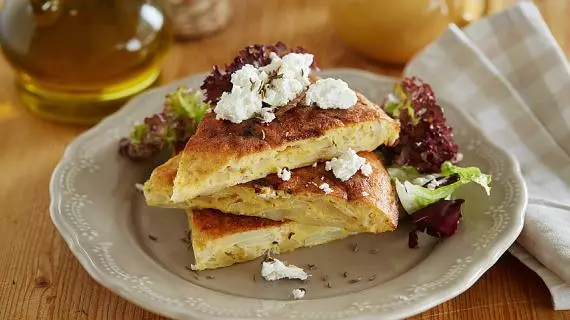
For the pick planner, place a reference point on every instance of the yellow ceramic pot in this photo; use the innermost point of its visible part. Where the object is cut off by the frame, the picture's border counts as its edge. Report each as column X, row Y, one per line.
column 392, row 31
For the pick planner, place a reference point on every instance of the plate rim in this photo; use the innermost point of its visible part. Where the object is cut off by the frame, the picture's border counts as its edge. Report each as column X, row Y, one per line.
column 464, row 281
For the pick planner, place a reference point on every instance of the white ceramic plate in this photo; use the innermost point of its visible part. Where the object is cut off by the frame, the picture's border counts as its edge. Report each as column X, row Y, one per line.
column 106, row 224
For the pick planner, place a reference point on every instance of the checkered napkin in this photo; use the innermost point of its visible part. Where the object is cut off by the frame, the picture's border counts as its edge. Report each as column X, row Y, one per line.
column 508, row 73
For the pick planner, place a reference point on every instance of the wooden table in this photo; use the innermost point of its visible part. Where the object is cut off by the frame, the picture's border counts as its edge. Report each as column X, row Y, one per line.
column 41, row 279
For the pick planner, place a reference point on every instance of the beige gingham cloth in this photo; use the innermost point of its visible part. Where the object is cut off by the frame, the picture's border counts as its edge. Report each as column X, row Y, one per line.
column 510, row 75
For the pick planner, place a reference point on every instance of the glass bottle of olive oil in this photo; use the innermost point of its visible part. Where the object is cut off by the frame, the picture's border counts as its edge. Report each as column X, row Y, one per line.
column 79, row 60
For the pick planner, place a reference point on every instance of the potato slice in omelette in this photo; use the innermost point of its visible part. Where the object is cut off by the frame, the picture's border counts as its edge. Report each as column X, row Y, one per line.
column 360, row 204
column 221, row 239
column 222, row 154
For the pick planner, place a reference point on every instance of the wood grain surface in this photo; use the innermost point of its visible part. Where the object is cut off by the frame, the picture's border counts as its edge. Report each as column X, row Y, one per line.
column 41, row 279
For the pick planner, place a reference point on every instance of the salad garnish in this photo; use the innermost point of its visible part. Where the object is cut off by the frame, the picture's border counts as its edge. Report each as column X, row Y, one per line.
column 417, row 191
column 426, row 141
column 423, row 161
column 439, row 219
column 169, row 129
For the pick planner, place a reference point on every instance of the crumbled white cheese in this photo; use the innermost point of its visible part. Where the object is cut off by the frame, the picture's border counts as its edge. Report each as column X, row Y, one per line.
column 347, row 165
column 238, row 105
column 284, row 174
column 326, row 188
column 275, row 269
column 331, row 93
column 267, row 115
column 314, row 165
column 298, row 293
column 275, row 84
column 366, row 169
column 365, row 194
column 248, row 77
column 289, row 76
column 139, row 187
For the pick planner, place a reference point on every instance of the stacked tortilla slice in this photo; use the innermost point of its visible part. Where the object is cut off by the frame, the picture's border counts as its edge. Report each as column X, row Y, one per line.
column 238, row 207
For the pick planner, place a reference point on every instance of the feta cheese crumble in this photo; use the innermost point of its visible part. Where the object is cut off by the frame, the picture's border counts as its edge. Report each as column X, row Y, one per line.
column 330, row 93
column 298, row 293
column 139, row 187
column 290, row 77
column 266, row 115
column 274, row 269
column 326, row 188
column 366, row 169
column 365, row 194
column 347, row 165
column 238, row 105
column 275, row 84
column 284, row 174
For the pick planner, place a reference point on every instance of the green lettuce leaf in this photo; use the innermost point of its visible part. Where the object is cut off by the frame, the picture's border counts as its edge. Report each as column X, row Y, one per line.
column 414, row 196
column 168, row 129
column 187, row 104
column 398, row 102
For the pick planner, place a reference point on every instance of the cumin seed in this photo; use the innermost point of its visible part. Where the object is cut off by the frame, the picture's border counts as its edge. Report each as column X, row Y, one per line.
column 325, row 277
column 355, row 280
column 373, row 251
column 152, row 238
column 329, row 285
column 372, row 278
column 355, row 248
column 209, row 277
column 312, row 266
column 345, row 274
column 254, row 278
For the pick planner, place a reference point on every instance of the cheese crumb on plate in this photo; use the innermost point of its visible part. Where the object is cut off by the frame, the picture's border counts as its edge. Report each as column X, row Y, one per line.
column 274, row 269
column 298, row 293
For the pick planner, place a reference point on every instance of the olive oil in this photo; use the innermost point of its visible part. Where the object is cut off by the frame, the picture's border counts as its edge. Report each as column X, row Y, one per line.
column 79, row 60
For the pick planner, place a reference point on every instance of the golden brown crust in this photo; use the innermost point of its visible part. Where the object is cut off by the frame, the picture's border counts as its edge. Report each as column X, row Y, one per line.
column 222, row 137
column 375, row 191
column 309, row 179
column 217, row 224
